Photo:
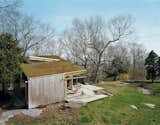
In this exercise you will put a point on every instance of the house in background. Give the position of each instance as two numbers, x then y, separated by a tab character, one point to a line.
50	79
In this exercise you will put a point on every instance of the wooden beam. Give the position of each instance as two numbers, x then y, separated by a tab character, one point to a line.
43	59
80	77
80	72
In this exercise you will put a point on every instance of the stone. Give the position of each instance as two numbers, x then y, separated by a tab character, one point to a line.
152	106
5	116
144	91
88	93
134	107
32	112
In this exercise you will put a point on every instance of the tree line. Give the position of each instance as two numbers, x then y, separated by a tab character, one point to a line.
105	48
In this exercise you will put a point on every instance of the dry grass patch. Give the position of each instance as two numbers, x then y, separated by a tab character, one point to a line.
54	114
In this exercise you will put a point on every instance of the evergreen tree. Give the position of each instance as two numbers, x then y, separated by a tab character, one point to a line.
158	66
10	58
151	66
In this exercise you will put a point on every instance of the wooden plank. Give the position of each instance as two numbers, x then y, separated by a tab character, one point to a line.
45	90
80	72
80	77
43	59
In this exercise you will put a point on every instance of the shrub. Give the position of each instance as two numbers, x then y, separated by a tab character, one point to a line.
106	117
85	119
124	76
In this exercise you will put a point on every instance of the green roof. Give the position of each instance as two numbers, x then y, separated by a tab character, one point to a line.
48	68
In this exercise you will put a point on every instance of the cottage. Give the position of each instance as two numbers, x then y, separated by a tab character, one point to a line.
49	79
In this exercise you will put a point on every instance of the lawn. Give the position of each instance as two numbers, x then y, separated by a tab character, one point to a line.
155	87
113	110
116	110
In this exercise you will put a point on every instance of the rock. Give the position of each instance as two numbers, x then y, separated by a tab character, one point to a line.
133	107
144	91
5	116
152	106
32	112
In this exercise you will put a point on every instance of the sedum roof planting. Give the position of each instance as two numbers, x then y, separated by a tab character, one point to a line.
48	68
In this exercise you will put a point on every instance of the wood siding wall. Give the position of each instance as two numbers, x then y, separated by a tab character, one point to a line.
45	90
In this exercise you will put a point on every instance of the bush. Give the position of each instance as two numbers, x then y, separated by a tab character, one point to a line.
124	76
115	121
85	119
106	117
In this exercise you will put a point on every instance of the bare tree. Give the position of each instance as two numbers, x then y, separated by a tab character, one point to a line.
34	33
29	31
88	39
138	55
119	50
75	42
119	28
51	46
4	4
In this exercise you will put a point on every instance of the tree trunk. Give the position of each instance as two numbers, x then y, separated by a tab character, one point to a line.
115	78
95	80
3	88
152	80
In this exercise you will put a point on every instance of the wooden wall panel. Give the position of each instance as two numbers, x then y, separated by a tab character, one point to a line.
45	90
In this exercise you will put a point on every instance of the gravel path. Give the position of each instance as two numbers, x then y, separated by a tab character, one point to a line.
5	116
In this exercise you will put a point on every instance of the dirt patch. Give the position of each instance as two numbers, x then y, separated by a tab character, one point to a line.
51	113
5	116
2	110
20	118
59	110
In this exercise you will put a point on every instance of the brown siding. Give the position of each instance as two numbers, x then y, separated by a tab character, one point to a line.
45	90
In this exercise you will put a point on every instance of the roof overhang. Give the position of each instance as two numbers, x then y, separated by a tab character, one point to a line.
42	59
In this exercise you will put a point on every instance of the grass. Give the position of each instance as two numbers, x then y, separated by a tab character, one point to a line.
113	110
155	87
48	68
116	110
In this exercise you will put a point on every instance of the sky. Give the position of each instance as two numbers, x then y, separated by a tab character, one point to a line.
60	13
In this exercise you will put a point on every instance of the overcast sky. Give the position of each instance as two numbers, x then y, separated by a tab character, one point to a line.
60	13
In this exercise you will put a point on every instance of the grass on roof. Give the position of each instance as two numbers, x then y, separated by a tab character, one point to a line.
48	68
